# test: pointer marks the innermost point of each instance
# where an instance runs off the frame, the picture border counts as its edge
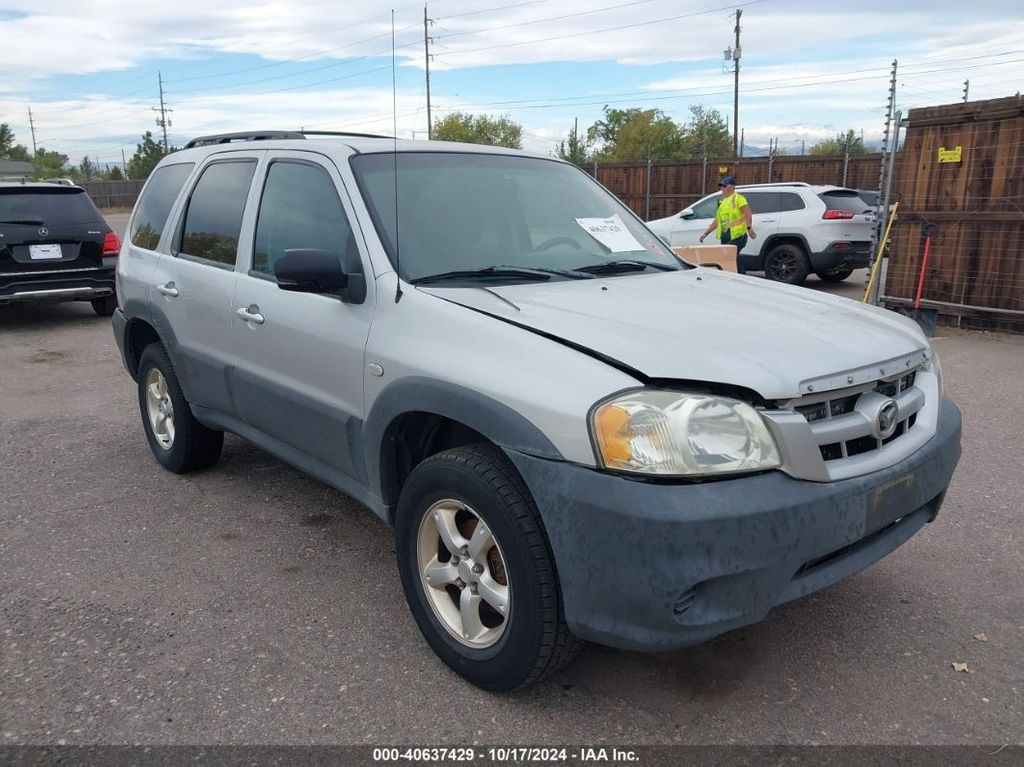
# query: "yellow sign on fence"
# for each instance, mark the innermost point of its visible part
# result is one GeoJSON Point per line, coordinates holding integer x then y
{"type": "Point", "coordinates": [950, 155]}
{"type": "Point", "coordinates": [723, 168]}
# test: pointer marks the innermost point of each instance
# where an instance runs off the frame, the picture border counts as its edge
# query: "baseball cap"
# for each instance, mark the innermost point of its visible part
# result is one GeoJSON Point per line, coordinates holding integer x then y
{"type": "Point", "coordinates": [727, 180]}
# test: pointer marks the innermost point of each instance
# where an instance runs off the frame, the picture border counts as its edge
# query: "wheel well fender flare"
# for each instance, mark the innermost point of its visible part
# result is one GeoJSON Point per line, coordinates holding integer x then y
{"type": "Point", "coordinates": [485, 415]}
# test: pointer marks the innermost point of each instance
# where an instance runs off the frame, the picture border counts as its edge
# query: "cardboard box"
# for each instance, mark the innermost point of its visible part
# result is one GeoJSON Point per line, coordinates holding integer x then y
{"type": "Point", "coordinates": [702, 255]}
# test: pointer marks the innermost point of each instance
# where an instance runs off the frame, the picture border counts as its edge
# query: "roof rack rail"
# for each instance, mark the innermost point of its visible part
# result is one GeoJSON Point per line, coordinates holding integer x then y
{"type": "Point", "coordinates": [343, 133]}
{"type": "Point", "coordinates": [227, 138]}
{"type": "Point", "coordinates": [779, 183]}
{"type": "Point", "coordinates": [268, 135]}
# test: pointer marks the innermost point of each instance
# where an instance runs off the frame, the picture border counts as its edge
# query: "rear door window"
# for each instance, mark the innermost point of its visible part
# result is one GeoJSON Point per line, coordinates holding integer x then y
{"type": "Point", "coordinates": [213, 221]}
{"type": "Point", "coordinates": [762, 202]}
{"type": "Point", "coordinates": [156, 202]}
{"type": "Point", "coordinates": [844, 199]}
{"type": "Point", "coordinates": [40, 206]}
{"type": "Point", "coordinates": [790, 201]}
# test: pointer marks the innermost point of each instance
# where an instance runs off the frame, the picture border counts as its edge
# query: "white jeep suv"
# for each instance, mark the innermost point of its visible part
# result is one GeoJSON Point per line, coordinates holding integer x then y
{"type": "Point", "coordinates": [800, 229]}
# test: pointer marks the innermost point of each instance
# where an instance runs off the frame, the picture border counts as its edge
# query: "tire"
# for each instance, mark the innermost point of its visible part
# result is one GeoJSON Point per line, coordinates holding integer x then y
{"type": "Point", "coordinates": [190, 446]}
{"type": "Point", "coordinates": [104, 307]}
{"type": "Point", "coordinates": [531, 640]}
{"type": "Point", "coordinates": [787, 264]}
{"type": "Point", "coordinates": [839, 276]}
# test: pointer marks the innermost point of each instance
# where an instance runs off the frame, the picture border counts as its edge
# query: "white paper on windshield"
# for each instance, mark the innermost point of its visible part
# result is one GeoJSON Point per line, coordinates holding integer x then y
{"type": "Point", "coordinates": [611, 233]}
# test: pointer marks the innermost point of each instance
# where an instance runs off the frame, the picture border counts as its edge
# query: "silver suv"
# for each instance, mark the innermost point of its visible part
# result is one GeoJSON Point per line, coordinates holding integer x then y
{"type": "Point", "coordinates": [574, 434]}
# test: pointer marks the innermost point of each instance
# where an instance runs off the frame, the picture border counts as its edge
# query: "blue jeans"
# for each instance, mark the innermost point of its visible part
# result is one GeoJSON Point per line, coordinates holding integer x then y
{"type": "Point", "coordinates": [740, 243]}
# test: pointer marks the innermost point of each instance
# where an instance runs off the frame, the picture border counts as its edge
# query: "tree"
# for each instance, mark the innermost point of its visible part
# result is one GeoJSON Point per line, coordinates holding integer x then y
{"type": "Point", "coordinates": [575, 149]}
{"type": "Point", "coordinates": [6, 139]}
{"type": "Point", "coordinates": [85, 171]}
{"type": "Point", "coordinates": [843, 143]}
{"type": "Point", "coordinates": [147, 155]}
{"type": "Point", "coordinates": [113, 173]}
{"type": "Point", "coordinates": [707, 134]}
{"type": "Point", "coordinates": [478, 129]}
{"type": "Point", "coordinates": [49, 164]}
{"type": "Point", "coordinates": [18, 152]}
{"type": "Point", "coordinates": [634, 135]}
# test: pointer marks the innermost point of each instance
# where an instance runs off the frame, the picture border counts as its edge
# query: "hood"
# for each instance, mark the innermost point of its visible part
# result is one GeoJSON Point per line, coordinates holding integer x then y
{"type": "Point", "coordinates": [711, 326]}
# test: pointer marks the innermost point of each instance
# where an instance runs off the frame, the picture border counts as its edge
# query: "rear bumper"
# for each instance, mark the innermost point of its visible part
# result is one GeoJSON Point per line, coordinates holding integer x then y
{"type": "Point", "coordinates": [59, 288]}
{"type": "Point", "coordinates": [835, 257]}
{"type": "Point", "coordinates": [655, 566]}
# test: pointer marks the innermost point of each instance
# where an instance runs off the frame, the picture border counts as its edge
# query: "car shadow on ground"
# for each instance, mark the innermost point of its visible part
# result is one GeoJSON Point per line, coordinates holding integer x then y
{"type": "Point", "coordinates": [26, 316]}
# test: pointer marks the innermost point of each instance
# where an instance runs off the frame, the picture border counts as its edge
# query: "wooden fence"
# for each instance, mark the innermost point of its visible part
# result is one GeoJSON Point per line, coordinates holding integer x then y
{"type": "Point", "coordinates": [113, 194]}
{"type": "Point", "coordinates": [961, 171]}
{"type": "Point", "coordinates": [670, 185]}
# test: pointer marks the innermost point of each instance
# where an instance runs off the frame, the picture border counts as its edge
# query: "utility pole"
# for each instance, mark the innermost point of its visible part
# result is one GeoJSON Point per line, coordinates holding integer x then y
{"type": "Point", "coordinates": [736, 89]}
{"type": "Point", "coordinates": [124, 164]}
{"type": "Point", "coordinates": [885, 171]}
{"type": "Point", "coordinates": [742, 140]}
{"type": "Point", "coordinates": [803, 147]}
{"type": "Point", "coordinates": [967, 87]}
{"type": "Point", "coordinates": [162, 121]}
{"type": "Point", "coordinates": [32, 127]}
{"type": "Point", "coordinates": [426, 61]}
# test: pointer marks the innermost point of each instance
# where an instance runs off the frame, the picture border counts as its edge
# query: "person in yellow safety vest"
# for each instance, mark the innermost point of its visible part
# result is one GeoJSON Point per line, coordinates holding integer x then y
{"type": "Point", "coordinates": [733, 219]}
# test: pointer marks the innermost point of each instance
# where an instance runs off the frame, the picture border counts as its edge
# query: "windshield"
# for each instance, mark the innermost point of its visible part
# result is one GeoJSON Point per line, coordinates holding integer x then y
{"type": "Point", "coordinates": [463, 212]}
{"type": "Point", "coordinates": [53, 207]}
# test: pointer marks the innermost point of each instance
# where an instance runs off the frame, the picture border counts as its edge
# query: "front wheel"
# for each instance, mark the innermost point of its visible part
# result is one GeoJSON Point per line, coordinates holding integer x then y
{"type": "Point", "coordinates": [477, 570]}
{"type": "Point", "coordinates": [787, 263]}
{"type": "Point", "coordinates": [179, 442]}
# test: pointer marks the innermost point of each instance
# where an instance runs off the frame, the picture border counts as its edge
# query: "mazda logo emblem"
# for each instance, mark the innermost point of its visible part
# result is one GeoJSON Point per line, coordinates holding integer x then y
{"type": "Point", "coordinates": [43, 231]}
{"type": "Point", "coordinates": [885, 421]}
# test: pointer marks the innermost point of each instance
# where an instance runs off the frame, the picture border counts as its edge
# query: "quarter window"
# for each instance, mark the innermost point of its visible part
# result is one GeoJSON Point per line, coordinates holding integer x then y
{"type": "Point", "coordinates": [213, 222]}
{"type": "Point", "coordinates": [301, 209]}
{"type": "Point", "coordinates": [156, 202]}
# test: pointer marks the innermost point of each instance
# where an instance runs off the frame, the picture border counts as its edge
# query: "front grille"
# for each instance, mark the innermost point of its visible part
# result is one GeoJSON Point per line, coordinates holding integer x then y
{"type": "Point", "coordinates": [843, 421]}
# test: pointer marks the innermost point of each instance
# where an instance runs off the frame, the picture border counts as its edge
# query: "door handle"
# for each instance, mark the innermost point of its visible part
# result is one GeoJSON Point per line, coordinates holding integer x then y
{"type": "Point", "coordinates": [168, 289]}
{"type": "Point", "coordinates": [251, 313]}
{"type": "Point", "coordinates": [767, 220]}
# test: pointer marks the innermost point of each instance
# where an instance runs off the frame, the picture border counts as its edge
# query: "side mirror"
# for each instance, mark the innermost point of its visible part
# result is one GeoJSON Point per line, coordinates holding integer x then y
{"type": "Point", "coordinates": [305, 270]}
{"type": "Point", "coordinates": [687, 213]}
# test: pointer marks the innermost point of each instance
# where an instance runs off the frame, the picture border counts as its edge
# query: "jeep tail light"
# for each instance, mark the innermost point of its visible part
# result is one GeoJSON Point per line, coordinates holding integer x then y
{"type": "Point", "coordinates": [111, 244]}
{"type": "Point", "coordinates": [834, 214]}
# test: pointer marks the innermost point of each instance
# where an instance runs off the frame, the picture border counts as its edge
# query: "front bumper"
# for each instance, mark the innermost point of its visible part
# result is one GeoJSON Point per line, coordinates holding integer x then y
{"type": "Point", "coordinates": [655, 566]}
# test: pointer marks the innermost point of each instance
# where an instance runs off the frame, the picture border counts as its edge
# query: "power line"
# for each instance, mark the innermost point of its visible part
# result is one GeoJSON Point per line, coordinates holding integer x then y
{"type": "Point", "coordinates": [598, 31]}
{"type": "Point", "coordinates": [547, 19]}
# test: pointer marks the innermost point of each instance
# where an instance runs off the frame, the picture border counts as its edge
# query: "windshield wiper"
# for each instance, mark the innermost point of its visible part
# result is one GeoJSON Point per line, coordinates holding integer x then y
{"type": "Point", "coordinates": [625, 265]}
{"type": "Point", "coordinates": [502, 272]}
{"type": "Point", "coordinates": [32, 221]}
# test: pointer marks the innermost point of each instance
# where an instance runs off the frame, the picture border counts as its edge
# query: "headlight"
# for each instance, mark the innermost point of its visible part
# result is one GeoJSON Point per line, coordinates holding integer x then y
{"type": "Point", "coordinates": [671, 433]}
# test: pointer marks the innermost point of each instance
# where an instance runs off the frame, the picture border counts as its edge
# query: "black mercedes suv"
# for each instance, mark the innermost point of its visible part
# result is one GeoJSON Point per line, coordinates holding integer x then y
{"type": "Point", "coordinates": [55, 246]}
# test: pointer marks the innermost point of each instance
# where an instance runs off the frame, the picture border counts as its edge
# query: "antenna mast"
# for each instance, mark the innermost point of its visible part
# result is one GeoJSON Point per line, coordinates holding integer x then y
{"type": "Point", "coordinates": [426, 60]}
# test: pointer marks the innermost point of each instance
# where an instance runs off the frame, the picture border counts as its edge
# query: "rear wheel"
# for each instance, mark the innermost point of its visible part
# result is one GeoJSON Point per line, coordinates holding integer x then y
{"type": "Point", "coordinates": [104, 307]}
{"type": "Point", "coordinates": [178, 441]}
{"type": "Point", "coordinates": [836, 276]}
{"type": "Point", "coordinates": [787, 263]}
{"type": "Point", "coordinates": [477, 571]}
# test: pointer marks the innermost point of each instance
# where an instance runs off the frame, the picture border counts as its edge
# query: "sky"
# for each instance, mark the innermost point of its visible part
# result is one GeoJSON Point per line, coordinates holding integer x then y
{"type": "Point", "coordinates": [807, 69]}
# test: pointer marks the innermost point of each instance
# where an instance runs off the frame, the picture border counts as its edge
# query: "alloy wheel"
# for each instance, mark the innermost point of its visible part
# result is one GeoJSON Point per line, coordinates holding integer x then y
{"type": "Point", "coordinates": [462, 572]}
{"type": "Point", "coordinates": [160, 409]}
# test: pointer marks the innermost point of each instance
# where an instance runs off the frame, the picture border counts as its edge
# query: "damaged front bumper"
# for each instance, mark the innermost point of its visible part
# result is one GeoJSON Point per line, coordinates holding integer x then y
{"type": "Point", "coordinates": [656, 566]}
